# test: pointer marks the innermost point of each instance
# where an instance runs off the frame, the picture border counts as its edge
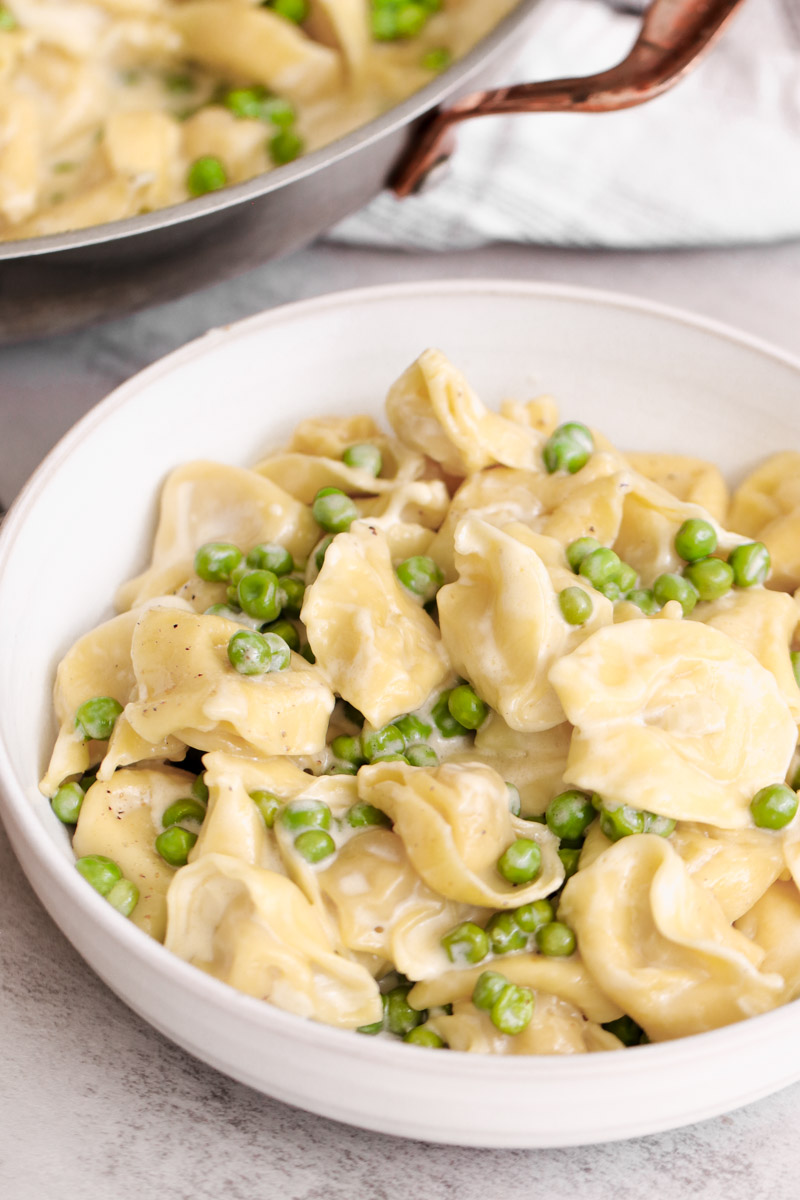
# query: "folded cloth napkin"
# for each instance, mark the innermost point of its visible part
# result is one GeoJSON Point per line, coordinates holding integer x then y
{"type": "Point", "coordinates": [715, 161]}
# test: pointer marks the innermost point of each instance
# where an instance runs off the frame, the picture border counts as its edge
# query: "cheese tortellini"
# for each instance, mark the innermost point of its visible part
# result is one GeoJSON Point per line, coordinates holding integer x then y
{"type": "Point", "coordinates": [111, 108]}
{"type": "Point", "coordinates": [481, 734]}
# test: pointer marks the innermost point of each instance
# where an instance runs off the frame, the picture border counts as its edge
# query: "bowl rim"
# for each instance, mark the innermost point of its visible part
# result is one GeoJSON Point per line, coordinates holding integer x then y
{"type": "Point", "coordinates": [450, 82]}
{"type": "Point", "coordinates": [21, 820]}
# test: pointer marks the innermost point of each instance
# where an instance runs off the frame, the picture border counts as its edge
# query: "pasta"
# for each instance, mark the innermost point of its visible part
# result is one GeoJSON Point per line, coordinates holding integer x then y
{"type": "Point", "coordinates": [111, 108]}
{"type": "Point", "coordinates": [481, 733]}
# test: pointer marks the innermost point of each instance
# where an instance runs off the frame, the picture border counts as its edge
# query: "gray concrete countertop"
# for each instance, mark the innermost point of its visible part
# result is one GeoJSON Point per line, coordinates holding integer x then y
{"type": "Point", "coordinates": [93, 1102]}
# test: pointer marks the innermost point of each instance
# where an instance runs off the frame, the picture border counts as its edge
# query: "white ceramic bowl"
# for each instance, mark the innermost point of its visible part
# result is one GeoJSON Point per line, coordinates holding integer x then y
{"type": "Point", "coordinates": [650, 378]}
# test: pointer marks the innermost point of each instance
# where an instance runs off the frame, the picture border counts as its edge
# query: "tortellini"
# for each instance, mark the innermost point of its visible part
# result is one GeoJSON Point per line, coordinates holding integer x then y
{"type": "Point", "coordinates": [121, 819]}
{"type": "Point", "coordinates": [187, 689]}
{"type": "Point", "coordinates": [455, 823]}
{"type": "Point", "coordinates": [502, 627]}
{"type": "Point", "coordinates": [204, 502]}
{"type": "Point", "coordinates": [379, 650]}
{"type": "Point", "coordinates": [437, 776]}
{"type": "Point", "coordinates": [767, 506]}
{"type": "Point", "coordinates": [254, 929]}
{"type": "Point", "coordinates": [675, 718]}
{"type": "Point", "coordinates": [660, 945]}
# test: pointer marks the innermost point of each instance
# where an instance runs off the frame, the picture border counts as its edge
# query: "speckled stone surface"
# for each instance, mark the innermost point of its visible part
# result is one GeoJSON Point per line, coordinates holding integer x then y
{"type": "Point", "coordinates": [93, 1102]}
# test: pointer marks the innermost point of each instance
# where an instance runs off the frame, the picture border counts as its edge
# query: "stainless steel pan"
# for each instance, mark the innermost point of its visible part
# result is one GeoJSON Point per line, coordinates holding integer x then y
{"type": "Point", "coordinates": [55, 284]}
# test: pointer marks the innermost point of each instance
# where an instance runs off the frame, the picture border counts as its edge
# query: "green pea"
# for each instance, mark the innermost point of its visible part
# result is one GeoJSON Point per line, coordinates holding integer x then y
{"type": "Point", "coordinates": [349, 749]}
{"type": "Point", "coordinates": [514, 801]}
{"type": "Point", "coordinates": [695, 539]}
{"type": "Point", "coordinates": [314, 845]}
{"type": "Point", "coordinates": [123, 896]}
{"type": "Point", "coordinates": [101, 872]}
{"type": "Point", "coordinates": [568, 448]}
{"type": "Point", "coordinates": [360, 815]}
{"type": "Point", "coordinates": [444, 720]}
{"type": "Point", "coordinates": [286, 631]}
{"type": "Point", "coordinates": [342, 768]}
{"type": "Point", "coordinates": [215, 561]}
{"type": "Point", "coordinates": [86, 781]}
{"type": "Point", "coordinates": [521, 862]}
{"type": "Point", "coordinates": [411, 19]}
{"type": "Point", "coordinates": [489, 986]}
{"type": "Point", "coordinates": [420, 755]}
{"type": "Point", "coordinates": [662, 826]}
{"type": "Point", "coordinates": [206, 174]}
{"type": "Point", "coordinates": [751, 564]}
{"type": "Point", "coordinates": [621, 822]}
{"type": "Point", "coordinates": [466, 707]}
{"type": "Point", "coordinates": [308, 654]}
{"type": "Point", "coordinates": [333, 510]}
{"type": "Point", "coordinates": [424, 1037]}
{"type": "Point", "coordinates": [257, 592]}
{"type": "Point", "coordinates": [600, 566]}
{"type": "Point", "coordinates": [773, 807]}
{"type": "Point", "coordinates": [466, 943]}
{"type": "Point", "coordinates": [267, 804]}
{"type": "Point", "coordinates": [795, 657]}
{"type": "Point", "coordinates": [280, 112]}
{"type": "Point", "coordinates": [174, 845]}
{"type": "Point", "coordinates": [670, 586]}
{"type": "Point", "coordinates": [379, 742]}
{"type": "Point", "coordinates": [186, 809]}
{"type": "Point", "coordinates": [512, 1011]}
{"type": "Point", "coordinates": [645, 600]}
{"type": "Point", "coordinates": [575, 604]}
{"type": "Point", "coordinates": [626, 1029]}
{"type": "Point", "coordinates": [556, 940]}
{"type": "Point", "coordinates": [570, 857]}
{"type": "Point", "coordinates": [96, 718]}
{"type": "Point", "coordinates": [505, 935]}
{"type": "Point", "coordinates": [257, 104]}
{"type": "Point", "coordinates": [247, 103]}
{"type": "Point", "coordinates": [306, 813]}
{"type": "Point", "coordinates": [270, 556]}
{"type": "Point", "coordinates": [8, 21]}
{"type": "Point", "coordinates": [364, 457]}
{"type": "Point", "coordinates": [199, 789]}
{"type": "Point", "coordinates": [626, 577]}
{"type": "Point", "coordinates": [252, 653]}
{"type": "Point", "coordinates": [224, 610]}
{"type": "Point", "coordinates": [285, 147]}
{"type": "Point", "coordinates": [611, 590]}
{"type": "Point", "coordinates": [67, 801]}
{"type": "Point", "coordinates": [293, 10]}
{"type": "Point", "coordinates": [321, 551]}
{"type": "Point", "coordinates": [401, 1018]}
{"type": "Point", "coordinates": [577, 551]}
{"type": "Point", "coordinates": [436, 60]}
{"type": "Point", "coordinates": [569, 814]}
{"type": "Point", "coordinates": [412, 728]}
{"type": "Point", "coordinates": [711, 576]}
{"type": "Point", "coordinates": [291, 594]}
{"type": "Point", "coordinates": [531, 917]}
{"type": "Point", "coordinates": [371, 1030]}
{"type": "Point", "coordinates": [383, 24]}
{"type": "Point", "coordinates": [421, 575]}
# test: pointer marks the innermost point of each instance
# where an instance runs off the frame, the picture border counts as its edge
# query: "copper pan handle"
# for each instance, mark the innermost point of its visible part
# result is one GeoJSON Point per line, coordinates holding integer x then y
{"type": "Point", "coordinates": [674, 34]}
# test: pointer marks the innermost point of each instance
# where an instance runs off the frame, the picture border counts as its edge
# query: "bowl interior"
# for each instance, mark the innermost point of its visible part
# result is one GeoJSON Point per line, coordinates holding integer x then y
{"type": "Point", "coordinates": [648, 378]}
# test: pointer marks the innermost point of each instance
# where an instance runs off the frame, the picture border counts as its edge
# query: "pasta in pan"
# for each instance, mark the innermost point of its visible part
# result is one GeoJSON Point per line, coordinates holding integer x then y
{"type": "Point", "coordinates": [110, 108]}
{"type": "Point", "coordinates": [479, 733]}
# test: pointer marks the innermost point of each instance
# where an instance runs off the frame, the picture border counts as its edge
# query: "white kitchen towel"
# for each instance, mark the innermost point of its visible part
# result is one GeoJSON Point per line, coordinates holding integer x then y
{"type": "Point", "coordinates": [714, 161]}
